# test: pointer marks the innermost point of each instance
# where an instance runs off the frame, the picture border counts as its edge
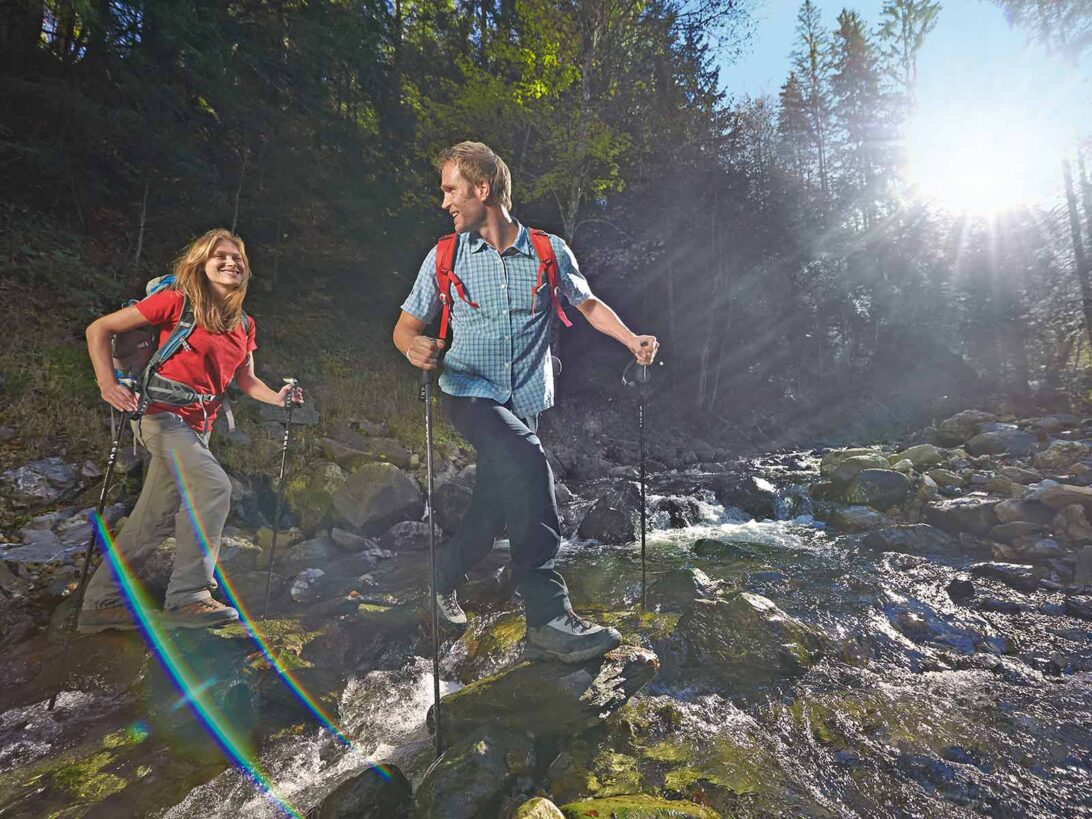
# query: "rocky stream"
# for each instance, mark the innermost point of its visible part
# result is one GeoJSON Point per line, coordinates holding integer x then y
{"type": "Point", "coordinates": [890, 631]}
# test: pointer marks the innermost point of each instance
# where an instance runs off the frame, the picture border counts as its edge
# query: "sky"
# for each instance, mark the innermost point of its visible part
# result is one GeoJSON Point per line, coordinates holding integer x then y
{"type": "Point", "coordinates": [981, 84]}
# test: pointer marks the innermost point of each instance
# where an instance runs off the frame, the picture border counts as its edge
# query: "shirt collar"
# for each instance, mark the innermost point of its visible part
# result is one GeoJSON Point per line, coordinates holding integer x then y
{"type": "Point", "coordinates": [476, 243]}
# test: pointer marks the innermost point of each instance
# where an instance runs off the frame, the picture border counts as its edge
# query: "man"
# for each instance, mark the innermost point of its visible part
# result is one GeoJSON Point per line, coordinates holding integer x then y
{"type": "Point", "coordinates": [497, 378]}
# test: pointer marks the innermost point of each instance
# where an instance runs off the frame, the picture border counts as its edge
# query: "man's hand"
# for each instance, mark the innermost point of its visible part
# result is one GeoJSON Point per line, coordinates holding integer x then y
{"type": "Point", "coordinates": [119, 397]}
{"type": "Point", "coordinates": [424, 352]}
{"type": "Point", "coordinates": [644, 349]}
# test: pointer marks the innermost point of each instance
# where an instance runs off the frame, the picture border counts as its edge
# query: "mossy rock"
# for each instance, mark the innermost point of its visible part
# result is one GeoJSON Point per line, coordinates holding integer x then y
{"type": "Point", "coordinates": [640, 627]}
{"type": "Point", "coordinates": [310, 495]}
{"type": "Point", "coordinates": [637, 806]}
{"type": "Point", "coordinates": [538, 808]}
{"type": "Point", "coordinates": [491, 642]}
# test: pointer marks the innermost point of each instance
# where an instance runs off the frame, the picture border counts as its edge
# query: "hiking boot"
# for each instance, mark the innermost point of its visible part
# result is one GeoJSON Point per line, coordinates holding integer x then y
{"type": "Point", "coordinates": [451, 613]}
{"type": "Point", "coordinates": [105, 618]}
{"type": "Point", "coordinates": [570, 639]}
{"type": "Point", "coordinates": [202, 614]}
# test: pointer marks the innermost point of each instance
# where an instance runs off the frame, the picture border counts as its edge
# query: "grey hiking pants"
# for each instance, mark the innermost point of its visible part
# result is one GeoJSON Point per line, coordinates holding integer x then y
{"type": "Point", "coordinates": [175, 449]}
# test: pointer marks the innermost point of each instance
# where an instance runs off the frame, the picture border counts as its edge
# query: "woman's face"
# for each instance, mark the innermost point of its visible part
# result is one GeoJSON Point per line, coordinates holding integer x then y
{"type": "Point", "coordinates": [225, 268]}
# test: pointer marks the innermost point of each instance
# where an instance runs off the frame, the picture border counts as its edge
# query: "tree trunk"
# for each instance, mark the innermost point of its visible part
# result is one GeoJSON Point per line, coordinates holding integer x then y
{"type": "Point", "coordinates": [1080, 258]}
{"type": "Point", "coordinates": [142, 225]}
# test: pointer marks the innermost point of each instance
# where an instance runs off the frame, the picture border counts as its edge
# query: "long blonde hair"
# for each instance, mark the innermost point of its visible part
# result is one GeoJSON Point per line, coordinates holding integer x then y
{"type": "Point", "coordinates": [212, 314]}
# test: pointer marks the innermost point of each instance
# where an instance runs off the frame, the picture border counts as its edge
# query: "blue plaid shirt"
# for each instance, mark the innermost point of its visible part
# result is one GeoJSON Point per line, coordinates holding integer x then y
{"type": "Point", "coordinates": [499, 350]}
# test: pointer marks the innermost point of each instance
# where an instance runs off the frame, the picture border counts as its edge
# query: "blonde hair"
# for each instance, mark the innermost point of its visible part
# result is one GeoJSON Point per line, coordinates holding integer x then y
{"type": "Point", "coordinates": [478, 163]}
{"type": "Point", "coordinates": [212, 314]}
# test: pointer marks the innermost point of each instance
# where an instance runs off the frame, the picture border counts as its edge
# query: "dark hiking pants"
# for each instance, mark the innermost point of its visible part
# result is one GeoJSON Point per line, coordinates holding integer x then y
{"type": "Point", "coordinates": [514, 489]}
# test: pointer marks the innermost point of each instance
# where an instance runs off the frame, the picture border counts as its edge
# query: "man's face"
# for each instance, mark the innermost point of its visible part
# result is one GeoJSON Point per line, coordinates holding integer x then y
{"type": "Point", "coordinates": [463, 201]}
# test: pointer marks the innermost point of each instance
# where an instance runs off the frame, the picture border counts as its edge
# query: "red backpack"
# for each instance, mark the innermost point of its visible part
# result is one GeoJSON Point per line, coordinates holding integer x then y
{"type": "Point", "coordinates": [445, 276]}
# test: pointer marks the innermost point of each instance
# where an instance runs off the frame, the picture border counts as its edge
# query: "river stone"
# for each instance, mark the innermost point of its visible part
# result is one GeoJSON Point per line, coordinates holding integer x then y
{"type": "Point", "coordinates": [38, 482]}
{"type": "Point", "coordinates": [945, 477]}
{"type": "Point", "coordinates": [377, 496]}
{"type": "Point", "coordinates": [1001, 442]}
{"type": "Point", "coordinates": [677, 589]}
{"type": "Point", "coordinates": [1060, 454]}
{"type": "Point", "coordinates": [1058, 496]}
{"type": "Point", "coordinates": [878, 488]}
{"type": "Point", "coordinates": [550, 699]}
{"type": "Point", "coordinates": [855, 518]}
{"type": "Point", "coordinates": [472, 776]}
{"type": "Point", "coordinates": [914, 539]}
{"type": "Point", "coordinates": [752, 494]}
{"type": "Point", "coordinates": [310, 494]}
{"type": "Point", "coordinates": [615, 517]}
{"type": "Point", "coordinates": [1013, 575]}
{"type": "Point", "coordinates": [905, 466]}
{"type": "Point", "coordinates": [681, 512]}
{"type": "Point", "coordinates": [538, 808]}
{"type": "Point", "coordinates": [352, 542]}
{"type": "Point", "coordinates": [923, 456]}
{"type": "Point", "coordinates": [712, 549]}
{"type": "Point", "coordinates": [306, 587]}
{"type": "Point", "coordinates": [1013, 509]}
{"type": "Point", "coordinates": [1008, 532]}
{"type": "Point", "coordinates": [406, 536]}
{"type": "Point", "coordinates": [962, 426]}
{"type": "Point", "coordinates": [1083, 574]}
{"type": "Point", "coordinates": [1019, 475]}
{"type": "Point", "coordinates": [832, 460]}
{"type": "Point", "coordinates": [450, 504]}
{"type": "Point", "coordinates": [637, 806]}
{"type": "Point", "coordinates": [1079, 607]}
{"type": "Point", "coordinates": [972, 513]}
{"type": "Point", "coordinates": [317, 551]}
{"type": "Point", "coordinates": [374, 793]}
{"type": "Point", "coordinates": [848, 469]}
{"type": "Point", "coordinates": [1071, 524]}
{"type": "Point", "coordinates": [747, 640]}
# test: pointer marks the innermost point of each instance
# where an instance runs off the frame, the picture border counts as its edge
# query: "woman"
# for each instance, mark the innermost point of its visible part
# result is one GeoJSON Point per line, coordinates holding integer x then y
{"type": "Point", "coordinates": [212, 273]}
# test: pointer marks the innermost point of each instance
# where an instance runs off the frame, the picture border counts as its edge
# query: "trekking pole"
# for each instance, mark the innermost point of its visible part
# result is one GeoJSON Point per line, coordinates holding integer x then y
{"type": "Point", "coordinates": [85, 573]}
{"type": "Point", "coordinates": [426, 395]}
{"type": "Point", "coordinates": [640, 380]}
{"type": "Point", "coordinates": [289, 405]}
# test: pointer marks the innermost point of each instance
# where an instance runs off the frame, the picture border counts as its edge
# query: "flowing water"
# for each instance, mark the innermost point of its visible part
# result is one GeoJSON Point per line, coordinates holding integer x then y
{"type": "Point", "coordinates": [919, 707]}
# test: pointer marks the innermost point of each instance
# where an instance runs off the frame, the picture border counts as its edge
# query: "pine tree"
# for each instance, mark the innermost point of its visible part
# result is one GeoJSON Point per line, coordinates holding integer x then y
{"type": "Point", "coordinates": [904, 26]}
{"type": "Point", "coordinates": [793, 131]}
{"type": "Point", "coordinates": [809, 64]}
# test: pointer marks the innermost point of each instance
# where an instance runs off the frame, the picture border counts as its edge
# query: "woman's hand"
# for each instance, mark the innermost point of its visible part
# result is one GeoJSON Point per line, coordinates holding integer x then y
{"type": "Point", "coordinates": [118, 396]}
{"type": "Point", "coordinates": [290, 393]}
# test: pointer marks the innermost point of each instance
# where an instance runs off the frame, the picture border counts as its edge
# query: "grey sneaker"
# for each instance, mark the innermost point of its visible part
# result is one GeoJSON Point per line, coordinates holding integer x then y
{"type": "Point", "coordinates": [202, 614]}
{"type": "Point", "coordinates": [105, 618]}
{"type": "Point", "coordinates": [571, 639]}
{"type": "Point", "coordinates": [447, 606]}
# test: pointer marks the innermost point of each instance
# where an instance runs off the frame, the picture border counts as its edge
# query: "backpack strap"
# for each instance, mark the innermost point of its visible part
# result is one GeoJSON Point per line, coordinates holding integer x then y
{"type": "Point", "coordinates": [547, 265]}
{"type": "Point", "coordinates": [445, 278]}
{"type": "Point", "coordinates": [177, 339]}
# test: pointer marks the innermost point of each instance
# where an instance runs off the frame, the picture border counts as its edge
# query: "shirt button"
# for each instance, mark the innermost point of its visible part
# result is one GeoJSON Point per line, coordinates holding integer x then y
{"type": "Point", "coordinates": [507, 363]}
{"type": "Point", "coordinates": [504, 284]}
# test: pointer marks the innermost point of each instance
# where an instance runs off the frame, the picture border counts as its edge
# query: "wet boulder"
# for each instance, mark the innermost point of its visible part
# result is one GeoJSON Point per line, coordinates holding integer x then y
{"type": "Point", "coordinates": [878, 488]}
{"type": "Point", "coordinates": [962, 426]}
{"type": "Point", "coordinates": [712, 549]}
{"type": "Point", "coordinates": [746, 641]}
{"type": "Point", "coordinates": [754, 495]}
{"type": "Point", "coordinates": [310, 494]}
{"type": "Point", "coordinates": [915, 539]}
{"type": "Point", "coordinates": [972, 513]}
{"type": "Point", "coordinates": [681, 511]}
{"type": "Point", "coordinates": [377, 496]}
{"type": "Point", "coordinates": [379, 792]}
{"type": "Point", "coordinates": [1014, 442]}
{"type": "Point", "coordinates": [615, 517]}
{"type": "Point", "coordinates": [550, 699]}
{"type": "Point", "coordinates": [677, 589]}
{"type": "Point", "coordinates": [474, 775]}
{"type": "Point", "coordinates": [406, 536]}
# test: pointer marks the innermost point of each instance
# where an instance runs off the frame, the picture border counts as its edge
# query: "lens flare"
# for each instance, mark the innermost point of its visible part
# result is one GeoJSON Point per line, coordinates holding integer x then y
{"type": "Point", "coordinates": [189, 687]}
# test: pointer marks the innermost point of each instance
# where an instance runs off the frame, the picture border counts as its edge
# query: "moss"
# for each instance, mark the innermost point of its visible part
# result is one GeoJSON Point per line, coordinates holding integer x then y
{"type": "Point", "coordinates": [637, 806]}
{"type": "Point", "coordinates": [641, 627]}
{"type": "Point", "coordinates": [86, 779]}
{"type": "Point", "coordinates": [286, 640]}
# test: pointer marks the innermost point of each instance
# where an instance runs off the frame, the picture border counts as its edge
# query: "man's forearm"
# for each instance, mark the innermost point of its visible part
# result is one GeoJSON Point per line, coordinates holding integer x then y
{"type": "Point", "coordinates": [600, 316]}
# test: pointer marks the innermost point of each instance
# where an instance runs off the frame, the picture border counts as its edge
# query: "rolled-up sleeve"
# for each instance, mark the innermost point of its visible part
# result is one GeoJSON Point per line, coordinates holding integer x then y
{"type": "Point", "coordinates": [423, 302]}
{"type": "Point", "coordinates": [573, 284]}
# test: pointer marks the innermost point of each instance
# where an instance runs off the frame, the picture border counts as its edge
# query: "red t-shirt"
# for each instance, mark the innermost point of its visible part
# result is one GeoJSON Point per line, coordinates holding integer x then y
{"type": "Point", "coordinates": [208, 366]}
